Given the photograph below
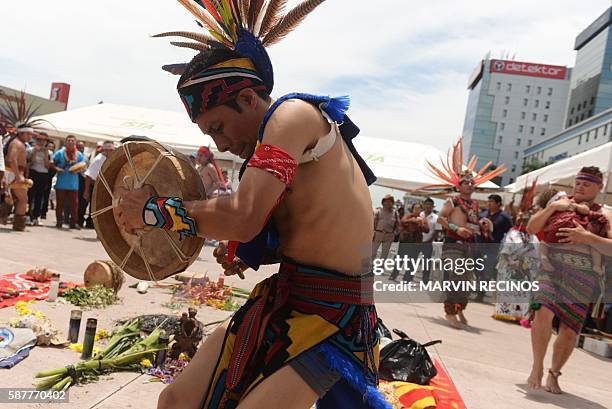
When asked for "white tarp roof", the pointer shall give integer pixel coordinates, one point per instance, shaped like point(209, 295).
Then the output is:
point(561, 174)
point(114, 122)
point(399, 164)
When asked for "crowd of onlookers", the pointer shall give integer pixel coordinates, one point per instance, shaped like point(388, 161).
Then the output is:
point(63, 175)
point(415, 228)
point(62, 179)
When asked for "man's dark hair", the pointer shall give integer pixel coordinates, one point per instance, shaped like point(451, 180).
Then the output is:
point(495, 198)
point(213, 56)
point(71, 136)
point(428, 200)
point(592, 170)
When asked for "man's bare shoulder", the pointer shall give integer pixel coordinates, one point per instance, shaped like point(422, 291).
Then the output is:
point(298, 118)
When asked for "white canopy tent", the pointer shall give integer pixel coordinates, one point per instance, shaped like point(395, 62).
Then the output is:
point(561, 174)
point(401, 165)
point(114, 122)
point(397, 164)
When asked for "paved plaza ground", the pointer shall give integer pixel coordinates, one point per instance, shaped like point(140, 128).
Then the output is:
point(488, 363)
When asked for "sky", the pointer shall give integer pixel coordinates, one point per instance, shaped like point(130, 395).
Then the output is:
point(404, 63)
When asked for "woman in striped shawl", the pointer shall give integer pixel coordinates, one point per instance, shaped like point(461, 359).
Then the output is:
point(566, 292)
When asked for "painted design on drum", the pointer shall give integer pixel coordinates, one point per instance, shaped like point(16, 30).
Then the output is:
point(168, 213)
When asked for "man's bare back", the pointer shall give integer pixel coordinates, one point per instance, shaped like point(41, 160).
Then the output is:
point(17, 156)
point(326, 217)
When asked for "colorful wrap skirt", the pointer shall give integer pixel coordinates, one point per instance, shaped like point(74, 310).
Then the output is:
point(569, 289)
point(456, 301)
point(296, 310)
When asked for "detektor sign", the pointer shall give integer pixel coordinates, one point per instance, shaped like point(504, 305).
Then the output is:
point(529, 69)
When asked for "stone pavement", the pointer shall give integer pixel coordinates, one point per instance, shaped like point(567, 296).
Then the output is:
point(489, 363)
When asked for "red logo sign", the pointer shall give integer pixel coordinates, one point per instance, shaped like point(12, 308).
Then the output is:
point(528, 69)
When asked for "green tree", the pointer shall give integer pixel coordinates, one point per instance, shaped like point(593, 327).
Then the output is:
point(533, 164)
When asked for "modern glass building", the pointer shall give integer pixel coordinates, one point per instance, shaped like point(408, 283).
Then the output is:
point(512, 105)
point(591, 84)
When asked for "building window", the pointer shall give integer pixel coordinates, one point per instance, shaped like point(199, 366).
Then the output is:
point(525, 102)
point(509, 87)
point(590, 112)
point(534, 117)
point(579, 139)
point(502, 126)
point(543, 132)
point(582, 117)
point(586, 140)
point(539, 90)
point(528, 89)
point(569, 123)
point(516, 154)
point(513, 169)
point(518, 141)
point(529, 142)
point(498, 86)
point(523, 115)
point(531, 130)
point(572, 111)
point(584, 104)
point(592, 100)
point(520, 129)
point(536, 103)
point(549, 92)
point(505, 113)
point(500, 139)
point(507, 100)
point(547, 106)
point(511, 180)
point(545, 117)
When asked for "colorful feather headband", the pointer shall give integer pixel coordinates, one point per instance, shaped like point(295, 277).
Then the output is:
point(453, 172)
point(245, 26)
point(17, 115)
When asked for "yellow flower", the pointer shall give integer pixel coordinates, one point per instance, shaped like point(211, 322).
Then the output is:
point(145, 363)
point(76, 347)
point(101, 334)
point(39, 314)
point(183, 357)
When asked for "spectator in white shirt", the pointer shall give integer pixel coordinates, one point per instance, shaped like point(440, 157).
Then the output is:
point(430, 236)
point(92, 172)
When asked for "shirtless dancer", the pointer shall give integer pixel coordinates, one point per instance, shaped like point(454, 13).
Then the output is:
point(307, 332)
point(16, 165)
point(459, 218)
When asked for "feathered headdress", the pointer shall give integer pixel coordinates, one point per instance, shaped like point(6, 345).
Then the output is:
point(528, 195)
point(16, 115)
point(453, 172)
point(245, 26)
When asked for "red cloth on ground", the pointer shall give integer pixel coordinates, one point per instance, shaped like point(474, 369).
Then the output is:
point(23, 283)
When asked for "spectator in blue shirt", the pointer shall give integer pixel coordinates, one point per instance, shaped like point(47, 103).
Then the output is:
point(67, 185)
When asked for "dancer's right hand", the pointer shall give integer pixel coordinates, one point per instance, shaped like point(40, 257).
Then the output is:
point(230, 267)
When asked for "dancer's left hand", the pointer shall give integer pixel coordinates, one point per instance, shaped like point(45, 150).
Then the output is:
point(129, 210)
point(574, 235)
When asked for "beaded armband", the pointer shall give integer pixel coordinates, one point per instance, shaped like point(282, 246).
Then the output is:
point(168, 213)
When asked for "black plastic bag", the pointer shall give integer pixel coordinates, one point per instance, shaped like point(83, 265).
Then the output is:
point(407, 360)
point(382, 329)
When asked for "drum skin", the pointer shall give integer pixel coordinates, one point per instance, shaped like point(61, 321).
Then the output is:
point(151, 254)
